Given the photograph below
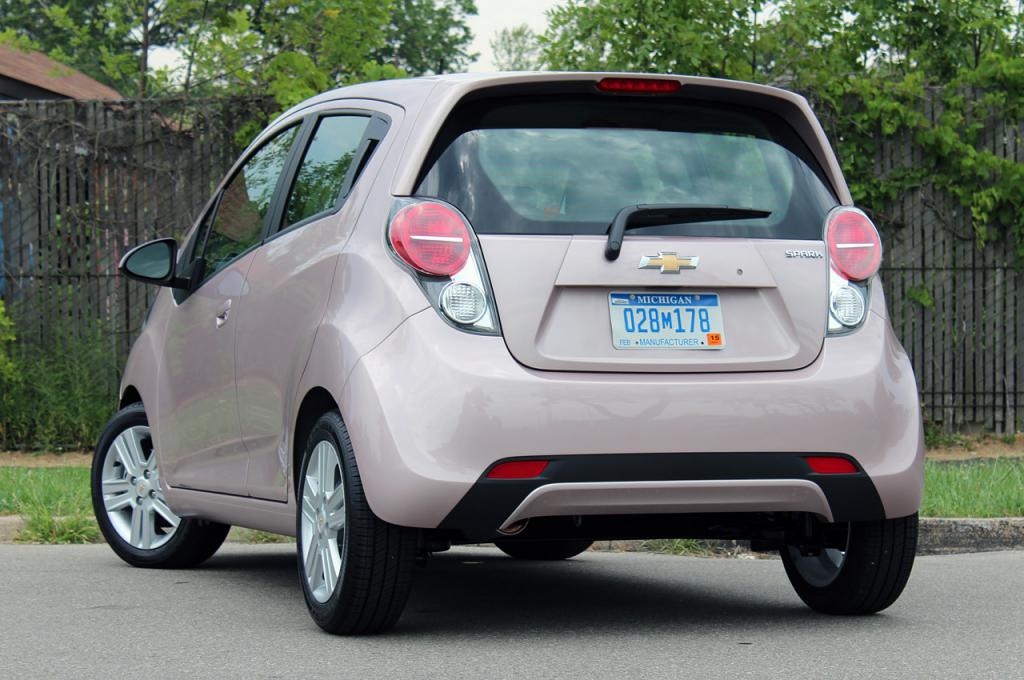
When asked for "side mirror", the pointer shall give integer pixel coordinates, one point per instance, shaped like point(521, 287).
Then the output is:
point(153, 262)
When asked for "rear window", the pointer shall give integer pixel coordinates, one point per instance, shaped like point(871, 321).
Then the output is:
point(567, 165)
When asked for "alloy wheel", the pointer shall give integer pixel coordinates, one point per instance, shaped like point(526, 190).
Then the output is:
point(132, 495)
point(323, 521)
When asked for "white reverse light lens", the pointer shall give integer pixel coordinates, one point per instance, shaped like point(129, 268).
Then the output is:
point(847, 305)
point(464, 303)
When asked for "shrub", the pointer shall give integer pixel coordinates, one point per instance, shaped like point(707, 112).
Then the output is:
point(56, 396)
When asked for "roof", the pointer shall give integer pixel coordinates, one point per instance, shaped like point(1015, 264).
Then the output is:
point(37, 69)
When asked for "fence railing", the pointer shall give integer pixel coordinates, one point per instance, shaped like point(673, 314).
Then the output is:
point(80, 182)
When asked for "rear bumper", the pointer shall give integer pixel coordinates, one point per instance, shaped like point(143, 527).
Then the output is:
point(431, 409)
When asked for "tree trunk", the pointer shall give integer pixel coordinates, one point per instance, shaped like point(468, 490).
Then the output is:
point(144, 57)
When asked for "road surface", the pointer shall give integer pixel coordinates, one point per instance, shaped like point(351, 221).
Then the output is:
point(77, 611)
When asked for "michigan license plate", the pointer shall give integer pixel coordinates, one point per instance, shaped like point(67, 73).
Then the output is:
point(666, 321)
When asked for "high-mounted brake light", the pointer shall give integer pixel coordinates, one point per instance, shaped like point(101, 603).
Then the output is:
point(853, 244)
point(831, 465)
point(431, 238)
point(518, 469)
point(639, 85)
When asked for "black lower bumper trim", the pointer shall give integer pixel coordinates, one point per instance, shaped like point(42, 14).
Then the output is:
point(851, 497)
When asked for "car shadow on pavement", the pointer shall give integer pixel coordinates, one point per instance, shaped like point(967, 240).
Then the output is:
point(481, 594)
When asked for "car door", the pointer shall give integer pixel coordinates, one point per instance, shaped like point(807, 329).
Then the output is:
point(289, 283)
point(197, 412)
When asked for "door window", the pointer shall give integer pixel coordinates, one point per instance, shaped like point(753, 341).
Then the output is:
point(324, 167)
point(244, 204)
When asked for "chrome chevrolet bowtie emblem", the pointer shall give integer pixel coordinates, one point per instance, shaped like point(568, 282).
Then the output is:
point(668, 263)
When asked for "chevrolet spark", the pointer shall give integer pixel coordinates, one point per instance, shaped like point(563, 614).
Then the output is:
point(536, 310)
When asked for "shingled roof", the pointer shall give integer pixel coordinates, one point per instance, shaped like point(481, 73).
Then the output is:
point(38, 70)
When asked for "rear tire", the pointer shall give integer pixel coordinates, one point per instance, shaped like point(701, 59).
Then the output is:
point(870, 576)
point(543, 550)
point(128, 500)
point(355, 569)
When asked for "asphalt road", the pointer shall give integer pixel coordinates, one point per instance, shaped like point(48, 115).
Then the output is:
point(77, 611)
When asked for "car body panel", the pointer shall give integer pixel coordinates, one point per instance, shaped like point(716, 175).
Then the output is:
point(552, 297)
point(195, 413)
point(858, 398)
point(290, 283)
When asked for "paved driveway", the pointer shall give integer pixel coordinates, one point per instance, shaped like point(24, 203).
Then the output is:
point(77, 611)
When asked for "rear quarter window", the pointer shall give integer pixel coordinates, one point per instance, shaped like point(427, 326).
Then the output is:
point(568, 165)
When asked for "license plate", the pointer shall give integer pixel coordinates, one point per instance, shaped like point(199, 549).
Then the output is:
point(666, 321)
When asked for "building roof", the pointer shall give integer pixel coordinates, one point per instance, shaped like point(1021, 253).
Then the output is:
point(38, 70)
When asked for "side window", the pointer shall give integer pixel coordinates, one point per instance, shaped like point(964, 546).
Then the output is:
point(324, 167)
point(243, 207)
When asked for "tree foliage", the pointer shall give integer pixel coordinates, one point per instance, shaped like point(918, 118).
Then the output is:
point(110, 41)
point(428, 36)
point(284, 48)
point(868, 66)
point(516, 49)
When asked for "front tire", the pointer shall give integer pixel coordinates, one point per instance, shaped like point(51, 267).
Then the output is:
point(866, 577)
point(128, 500)
point(543, 550)
point(354, 568)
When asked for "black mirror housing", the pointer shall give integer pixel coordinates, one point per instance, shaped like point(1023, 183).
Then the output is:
point(153, 262)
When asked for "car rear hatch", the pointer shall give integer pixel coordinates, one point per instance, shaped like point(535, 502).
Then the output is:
point(725, 273)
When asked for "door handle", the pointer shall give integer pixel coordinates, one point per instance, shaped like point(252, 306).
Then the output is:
point(222, 315)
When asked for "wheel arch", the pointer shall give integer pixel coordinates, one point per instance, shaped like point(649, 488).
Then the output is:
point(316, 402)
point(130, 395)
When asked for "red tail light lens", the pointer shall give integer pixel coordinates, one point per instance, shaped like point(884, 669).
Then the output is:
point(639, 85)
point(853, 244)
point(831, 465)
point(518, 469)
point(431, 238)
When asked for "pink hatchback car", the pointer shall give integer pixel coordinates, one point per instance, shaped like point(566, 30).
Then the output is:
point(534, 309)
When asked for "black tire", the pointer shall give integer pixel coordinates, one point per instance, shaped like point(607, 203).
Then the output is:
point(377, 558)
point(878, 561)
point(543, 550)
point(193, 542)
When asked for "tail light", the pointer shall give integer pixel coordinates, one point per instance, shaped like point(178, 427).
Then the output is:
point(639, 85)
point(432, 238)
point(853, 244)
point(435, 241)
point(855, 253)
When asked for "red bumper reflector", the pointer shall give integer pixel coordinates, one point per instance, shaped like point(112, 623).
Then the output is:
point(639, 85)
point(830, 465)
point(517, 469)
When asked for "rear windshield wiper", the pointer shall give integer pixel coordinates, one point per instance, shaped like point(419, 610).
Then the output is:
point(636, 216)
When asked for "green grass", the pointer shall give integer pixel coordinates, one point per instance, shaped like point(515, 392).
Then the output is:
point(983, 488)
point(63, 490)
point(55, 503)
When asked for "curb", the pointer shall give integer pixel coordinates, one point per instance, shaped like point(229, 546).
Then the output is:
point(938, 536)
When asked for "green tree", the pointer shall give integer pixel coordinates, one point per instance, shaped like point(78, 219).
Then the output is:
point(428, 36)
point(709, 37)
point(289, 51)
point(110, 41)
point(516, 49)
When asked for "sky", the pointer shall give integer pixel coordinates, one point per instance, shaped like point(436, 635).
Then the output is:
point(494, 15)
